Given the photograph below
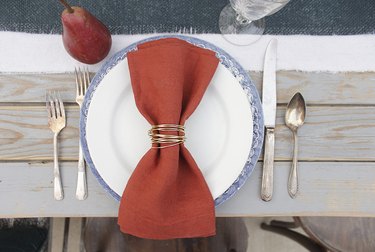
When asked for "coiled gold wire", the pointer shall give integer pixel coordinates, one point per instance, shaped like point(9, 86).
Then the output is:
point(167, 140)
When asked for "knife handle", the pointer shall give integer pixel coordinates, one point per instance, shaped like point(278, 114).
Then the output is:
point(267, 178)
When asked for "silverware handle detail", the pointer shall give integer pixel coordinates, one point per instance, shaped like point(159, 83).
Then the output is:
point(57, 184)
point(293, 175)
point(81, 191)
point(267, 177)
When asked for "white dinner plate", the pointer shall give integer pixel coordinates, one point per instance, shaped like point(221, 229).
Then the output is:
point(224, 134)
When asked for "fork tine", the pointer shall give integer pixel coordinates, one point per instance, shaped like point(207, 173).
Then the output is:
point(88, 76)
point(87, 83)
point(84, 80)
point(57, 105)
point(61, 105)
point(78, 81)
point(53, 107)
point(81, 81)
point(77, 84)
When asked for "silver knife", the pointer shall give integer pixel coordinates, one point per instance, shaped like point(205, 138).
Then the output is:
point(269, 110)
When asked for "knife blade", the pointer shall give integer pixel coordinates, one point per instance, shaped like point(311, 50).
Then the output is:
point(269, 110)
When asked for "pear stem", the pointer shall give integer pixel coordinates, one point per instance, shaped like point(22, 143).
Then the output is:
point(67, 6)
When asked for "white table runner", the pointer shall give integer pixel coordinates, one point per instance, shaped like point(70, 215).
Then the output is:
point(27, 53)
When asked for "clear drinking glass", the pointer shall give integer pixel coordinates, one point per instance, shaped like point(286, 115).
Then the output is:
point(247, 16)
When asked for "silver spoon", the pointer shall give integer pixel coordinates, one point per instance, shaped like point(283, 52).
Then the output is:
point(294, 118)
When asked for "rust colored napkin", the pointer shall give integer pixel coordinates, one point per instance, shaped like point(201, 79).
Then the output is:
point(166, 196)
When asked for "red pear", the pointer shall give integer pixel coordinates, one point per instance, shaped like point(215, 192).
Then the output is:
point(85, 37)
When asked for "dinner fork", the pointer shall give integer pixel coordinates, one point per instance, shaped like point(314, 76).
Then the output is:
point(82, 83)
point(56, 122)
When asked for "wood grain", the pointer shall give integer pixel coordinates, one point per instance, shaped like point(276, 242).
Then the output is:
point(318, 88)
point(74, 239)
point(32, 87)
point(324, 88)
point(24, 134)
point(57, 233)
point(329, 134)
point(326, 189)
point(341, 233)
point(337, 155)
point(103, 234)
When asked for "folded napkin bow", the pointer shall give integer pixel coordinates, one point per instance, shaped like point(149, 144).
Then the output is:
point(166, 196)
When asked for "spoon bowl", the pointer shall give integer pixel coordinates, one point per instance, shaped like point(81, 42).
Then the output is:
point(295, 112)
point(295, 118)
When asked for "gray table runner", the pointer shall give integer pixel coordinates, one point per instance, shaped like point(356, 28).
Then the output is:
point(315, 17)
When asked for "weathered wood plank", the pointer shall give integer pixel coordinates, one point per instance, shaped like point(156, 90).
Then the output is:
point(326, 188)
point(27, 190)
point(24, 134)
point(32, 87)
point(324, 88)
point(318, 88)
point(74, 241)
point(57, 234)
point(329, 134)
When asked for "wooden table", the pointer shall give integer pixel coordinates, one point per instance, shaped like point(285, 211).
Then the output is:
point(337, 151)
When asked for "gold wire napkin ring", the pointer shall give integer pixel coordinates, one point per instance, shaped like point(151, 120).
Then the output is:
point(167, 139)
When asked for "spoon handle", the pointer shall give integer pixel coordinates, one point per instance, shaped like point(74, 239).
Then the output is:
point(81, 190)
point(293, 175)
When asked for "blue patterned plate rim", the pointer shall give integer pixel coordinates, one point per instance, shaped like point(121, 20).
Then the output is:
point(231, 64)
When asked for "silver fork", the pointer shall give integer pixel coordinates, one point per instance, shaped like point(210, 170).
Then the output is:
point(82, 83)
point(56, 122)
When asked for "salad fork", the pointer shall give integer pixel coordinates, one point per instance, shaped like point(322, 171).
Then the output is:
point(82, 83)
point(56, 122)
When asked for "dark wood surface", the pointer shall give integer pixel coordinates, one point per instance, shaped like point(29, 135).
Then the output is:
point(103, 235)
point(341, 233)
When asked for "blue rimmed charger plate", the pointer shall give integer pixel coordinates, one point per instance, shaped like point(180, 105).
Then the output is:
point(103, 149)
